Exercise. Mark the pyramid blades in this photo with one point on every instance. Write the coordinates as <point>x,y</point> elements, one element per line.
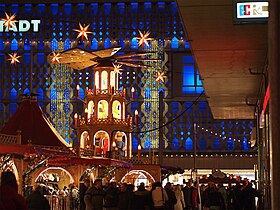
<point>137,65</point>
<point>133,55</point>
<point>105,53</point>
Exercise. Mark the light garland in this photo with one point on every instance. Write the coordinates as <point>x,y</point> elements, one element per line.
<point>219,135</point>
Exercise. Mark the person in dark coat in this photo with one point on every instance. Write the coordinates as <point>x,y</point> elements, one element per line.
<point>9,197</point>
<point>248,195</point>
<point>94,196</point>
<point>169,204</point>
<point>83,188</point>
<point>214,199</point>
<point>187,191</point>
<point>236,196</point>
<point>36,201</point>
<point>141,199</point>
<point>111,197</point>
<point>125,197</point>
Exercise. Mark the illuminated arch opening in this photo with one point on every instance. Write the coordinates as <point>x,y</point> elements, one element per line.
<point>116,109</point>
<point>101,142</point>
<point>138,176</point>
<point>96,80</point>
<point>102,109</point>
<point>113,79</point>
<point>123,111</point>
<point>55,174</point>
<point>84,140</point>
<point>104,80</point>
<point>90,109</point>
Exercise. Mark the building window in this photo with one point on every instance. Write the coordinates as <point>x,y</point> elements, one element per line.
<point>191,79</point>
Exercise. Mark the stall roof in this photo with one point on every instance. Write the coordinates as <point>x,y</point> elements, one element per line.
<point>21,150</point>
<point>35,127</point>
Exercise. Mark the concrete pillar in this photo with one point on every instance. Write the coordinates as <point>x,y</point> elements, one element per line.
<point>274,103</point>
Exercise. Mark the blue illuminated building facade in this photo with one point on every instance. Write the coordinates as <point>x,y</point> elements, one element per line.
<point>114,24</point>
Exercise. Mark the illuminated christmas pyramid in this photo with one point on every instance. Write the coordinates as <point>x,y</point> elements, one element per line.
<point>104,128</point>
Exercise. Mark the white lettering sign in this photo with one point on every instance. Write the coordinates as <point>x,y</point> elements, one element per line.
<point>21,26</point>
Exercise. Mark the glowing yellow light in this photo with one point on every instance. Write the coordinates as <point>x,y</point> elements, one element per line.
<point>55,57</point>
<point>160,76</point>
<point>14,58</point>
<point>143,39</point>
<point>9,20</point>
<point>117,68</point>
<point>83,31</point>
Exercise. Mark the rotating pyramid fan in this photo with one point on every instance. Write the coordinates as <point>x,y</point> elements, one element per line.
<point>79,59</point>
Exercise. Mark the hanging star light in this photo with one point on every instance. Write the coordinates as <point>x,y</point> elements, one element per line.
<point>117,68</point>
<point>55,57</point>
<point>160,76</point>
<point>83,31</point>
<point>9,21</point>
<point>14,58</point>
<point>143,39</point>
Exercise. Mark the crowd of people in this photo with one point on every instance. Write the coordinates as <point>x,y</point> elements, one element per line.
<point>125,196</point>
<point>173,197</point>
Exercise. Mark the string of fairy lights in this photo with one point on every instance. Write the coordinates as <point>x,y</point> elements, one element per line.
<point>219,135</point>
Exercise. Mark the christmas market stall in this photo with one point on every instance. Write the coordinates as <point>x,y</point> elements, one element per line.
<point>27,140</point>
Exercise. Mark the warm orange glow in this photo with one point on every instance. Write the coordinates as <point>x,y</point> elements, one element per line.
<point>143,39</point>
<point>83,31</point>
<point>117,68</point>
<point>160,76</point>
<point>9,20</point>
<point>75,120</point>
<point>14,58</point>
<point>114,144</point>
<point>55,57</point>
<point>136,112</point>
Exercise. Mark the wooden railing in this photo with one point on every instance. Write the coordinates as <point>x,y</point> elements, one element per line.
<point>58,202</point>
<point>92,121</point>
<point>10,139</point>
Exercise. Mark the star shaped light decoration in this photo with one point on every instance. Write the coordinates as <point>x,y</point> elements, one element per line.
<point>83,31</point>
<point>117,68</point>
<point>9,21</point>
<point>14,58</point>
<point>55,57</point>
<point>160,76</point>
<point>143,39</point>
